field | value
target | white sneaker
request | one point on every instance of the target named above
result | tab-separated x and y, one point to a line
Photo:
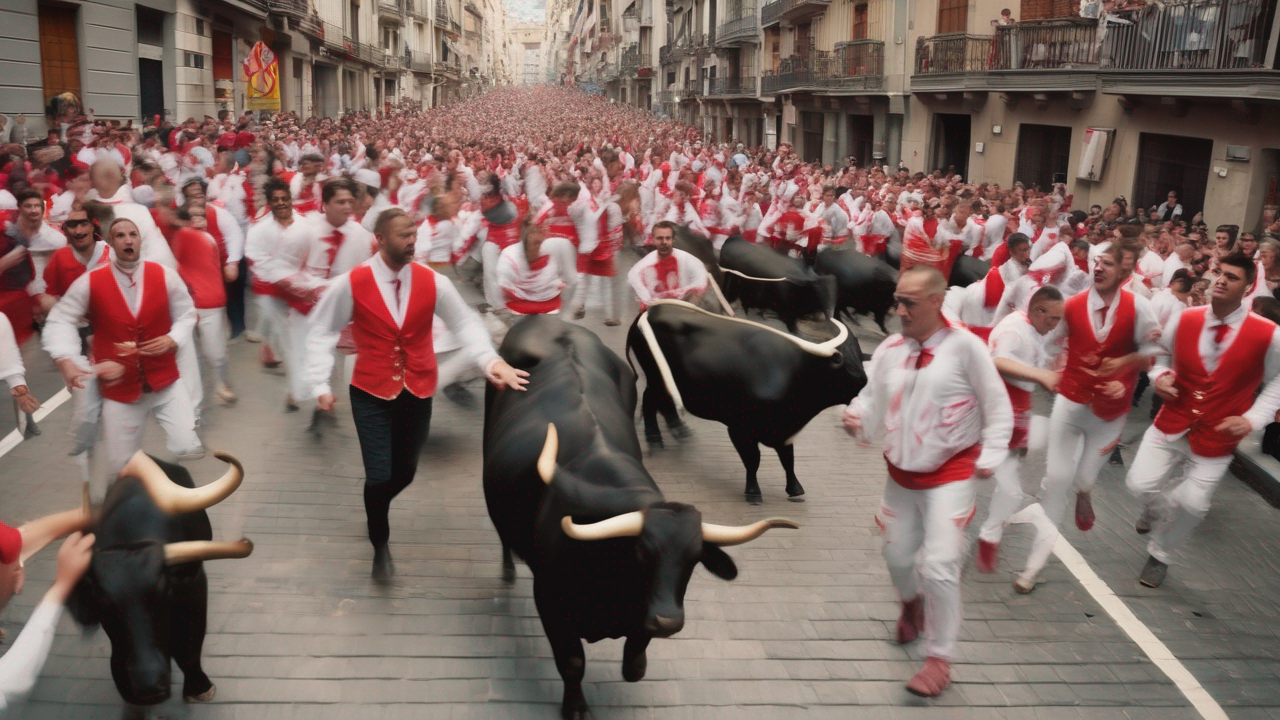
226	396
252	336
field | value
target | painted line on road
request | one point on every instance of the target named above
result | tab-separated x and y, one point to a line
1137	631
12	440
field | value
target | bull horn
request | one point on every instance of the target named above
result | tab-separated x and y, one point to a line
174	499
823	349
738	534
547	460
624	525
39	533
197	550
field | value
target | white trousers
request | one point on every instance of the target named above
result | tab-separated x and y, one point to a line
295	356
189	374
211	329
597	290
86	411
1079	444
492	292
924	547
1006	499
123	425
1149	479
272	315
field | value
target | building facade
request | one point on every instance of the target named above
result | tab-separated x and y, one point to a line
1182	95
130	60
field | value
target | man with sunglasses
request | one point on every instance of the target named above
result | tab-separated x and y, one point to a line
935	397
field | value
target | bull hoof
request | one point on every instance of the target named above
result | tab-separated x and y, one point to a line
509	574
754	498
681	431
655	441
205	696
634	669
575	710
796	498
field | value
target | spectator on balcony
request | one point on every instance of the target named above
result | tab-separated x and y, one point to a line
1006	18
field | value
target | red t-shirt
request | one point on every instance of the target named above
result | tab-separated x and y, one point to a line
200	266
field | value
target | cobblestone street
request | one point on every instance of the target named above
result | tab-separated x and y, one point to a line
298	630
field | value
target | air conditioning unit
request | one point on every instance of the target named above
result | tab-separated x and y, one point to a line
1093	160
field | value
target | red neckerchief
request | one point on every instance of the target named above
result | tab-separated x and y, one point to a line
335	242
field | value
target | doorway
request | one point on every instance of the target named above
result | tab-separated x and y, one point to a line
1044	151
861	132
151	87
950	144
59	54
811	133
1170	162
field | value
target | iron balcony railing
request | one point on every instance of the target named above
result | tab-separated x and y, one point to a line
1202	35
954	53
745	29
664	55
308	21
856	65
853	65
776	12
691	91
339	44
666	96
392	60
1061	43
447	67
419	61
745	86
442	14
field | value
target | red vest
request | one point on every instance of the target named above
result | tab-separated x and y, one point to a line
113	324
504	236
1207	398
65	268
1080	383
391	359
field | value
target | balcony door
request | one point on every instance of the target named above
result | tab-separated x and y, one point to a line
861	135
859	22
1170	162
953	16
951	134
59	54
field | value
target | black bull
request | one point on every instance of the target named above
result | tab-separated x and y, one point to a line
863	284
146	583
764	385
762	279
567	492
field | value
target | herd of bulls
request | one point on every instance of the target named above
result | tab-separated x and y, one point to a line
564	478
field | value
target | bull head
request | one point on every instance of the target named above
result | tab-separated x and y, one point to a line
670	540
142	585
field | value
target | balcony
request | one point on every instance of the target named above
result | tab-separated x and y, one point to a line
300	15
954	53
442	14
392	61
450	69
420	62
390	12
666	96
733	87
1059	44
743	30
791	11
853	67
419	9
691	91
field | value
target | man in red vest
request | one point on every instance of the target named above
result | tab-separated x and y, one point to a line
1111	334
934	396
140	313
390	303
1218	356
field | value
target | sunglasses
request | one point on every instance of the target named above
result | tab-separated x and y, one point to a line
74	223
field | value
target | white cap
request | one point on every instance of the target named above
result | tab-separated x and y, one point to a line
365	176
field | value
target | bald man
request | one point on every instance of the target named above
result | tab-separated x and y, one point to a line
940	383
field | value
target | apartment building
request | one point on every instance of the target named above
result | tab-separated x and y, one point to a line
1182	95
608	47
183	58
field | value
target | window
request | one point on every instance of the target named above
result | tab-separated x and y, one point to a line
194	60
860	22
150	24
200	27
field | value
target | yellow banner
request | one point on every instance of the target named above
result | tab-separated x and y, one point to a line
262	78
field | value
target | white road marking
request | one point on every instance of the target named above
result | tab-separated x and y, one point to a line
1138	632
12	440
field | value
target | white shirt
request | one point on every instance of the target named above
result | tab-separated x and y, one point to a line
1165	305
155	248
1151	267
20	667
336	306
1146	329
515	276
643	276
357	246
438	241
12	370
61	339
967	305
1016	339
925	416
232	235
1172	264
1268	402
